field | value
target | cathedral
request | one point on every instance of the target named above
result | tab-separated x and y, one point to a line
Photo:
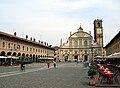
81	46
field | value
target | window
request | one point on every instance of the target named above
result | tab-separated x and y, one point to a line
3	44
18	47
23	47
75	43
9	45
33	50
85	43
27	48
30	49
80	42
98	24
14	46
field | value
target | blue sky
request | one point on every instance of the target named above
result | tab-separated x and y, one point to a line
52	20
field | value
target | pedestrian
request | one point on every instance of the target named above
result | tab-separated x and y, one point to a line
54	62
77	61
22	66
48	63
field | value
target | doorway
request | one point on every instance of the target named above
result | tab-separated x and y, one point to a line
86	58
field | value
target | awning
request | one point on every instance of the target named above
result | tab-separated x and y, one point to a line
46	58
51	58
3	57
114	55
13	57
98	57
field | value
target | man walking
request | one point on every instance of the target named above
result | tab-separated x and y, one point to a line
48	63
54	62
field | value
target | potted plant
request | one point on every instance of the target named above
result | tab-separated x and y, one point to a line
92	72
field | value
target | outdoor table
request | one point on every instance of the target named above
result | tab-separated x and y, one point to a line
102	68
109	74
109	64
117	66
107	69
99	65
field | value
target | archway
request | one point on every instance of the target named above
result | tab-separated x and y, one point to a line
76	58
14	53
23	57
19	54
40	56
9	54
66	58
2	61
85	58
2	53
27	56
36	58
33	58
30	57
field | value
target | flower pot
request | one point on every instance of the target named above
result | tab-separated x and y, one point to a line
92	81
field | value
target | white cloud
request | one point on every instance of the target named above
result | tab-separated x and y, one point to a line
75	5
49	20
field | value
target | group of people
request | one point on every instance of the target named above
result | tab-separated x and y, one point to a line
54	63
22	66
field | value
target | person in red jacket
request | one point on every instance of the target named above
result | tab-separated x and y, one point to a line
48	63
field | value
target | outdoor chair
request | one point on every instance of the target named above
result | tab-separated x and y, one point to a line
115	76
104	77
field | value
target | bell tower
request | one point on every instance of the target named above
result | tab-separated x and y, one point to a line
98	32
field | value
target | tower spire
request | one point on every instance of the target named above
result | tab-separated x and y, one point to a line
80	28
61	42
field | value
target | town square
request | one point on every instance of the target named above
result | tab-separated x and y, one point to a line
59	44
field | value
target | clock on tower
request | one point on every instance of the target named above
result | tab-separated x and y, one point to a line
98	32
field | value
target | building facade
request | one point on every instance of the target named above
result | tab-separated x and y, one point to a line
28	50
80	45
56	55
113	46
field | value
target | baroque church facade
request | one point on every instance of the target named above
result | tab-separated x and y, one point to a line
80	45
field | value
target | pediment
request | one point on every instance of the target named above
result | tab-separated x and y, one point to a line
80	34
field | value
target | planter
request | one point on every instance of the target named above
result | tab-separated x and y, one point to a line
92	81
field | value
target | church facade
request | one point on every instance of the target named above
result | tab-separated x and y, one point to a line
80	45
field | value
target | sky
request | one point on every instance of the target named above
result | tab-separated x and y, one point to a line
52	20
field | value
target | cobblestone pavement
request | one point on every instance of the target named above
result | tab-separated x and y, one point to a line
66	75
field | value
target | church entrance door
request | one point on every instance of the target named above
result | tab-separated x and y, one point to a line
86	58
76	57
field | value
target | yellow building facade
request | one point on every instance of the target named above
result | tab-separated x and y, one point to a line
28	50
